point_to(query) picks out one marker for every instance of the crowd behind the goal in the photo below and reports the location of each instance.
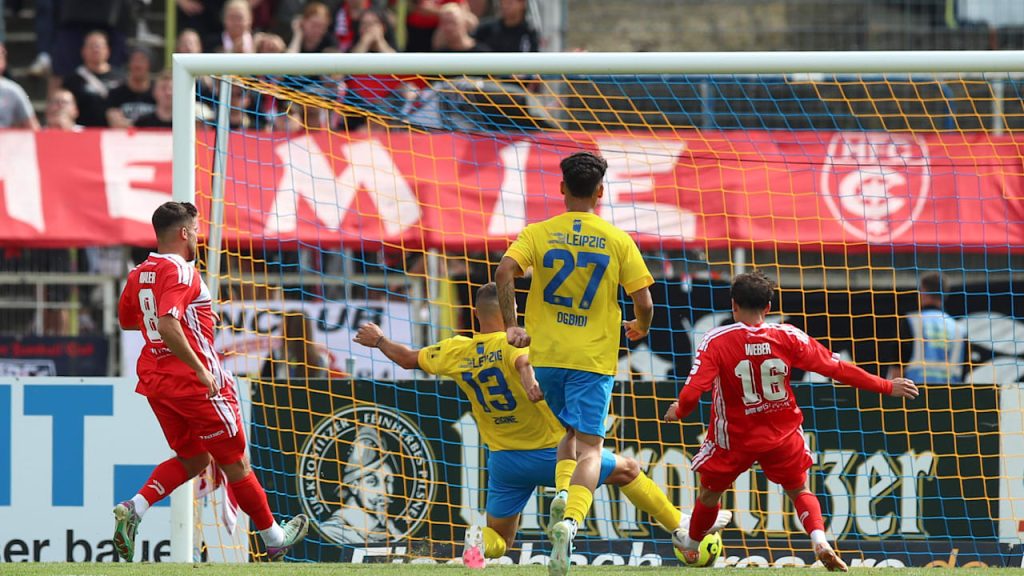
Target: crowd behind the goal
(103, 71)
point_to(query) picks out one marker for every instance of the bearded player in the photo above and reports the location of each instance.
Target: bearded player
(192, 396)
(754, 415)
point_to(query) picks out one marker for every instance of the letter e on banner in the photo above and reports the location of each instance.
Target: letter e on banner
(130, 162)
(19, 178)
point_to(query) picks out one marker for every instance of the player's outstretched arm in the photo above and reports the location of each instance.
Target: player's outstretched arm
(816, 358)
(371, 336)
(643, 308)
(504, 277)
(174, 338)
(528, 379)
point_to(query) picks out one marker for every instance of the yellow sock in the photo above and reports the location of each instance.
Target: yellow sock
(563, 474)
(494, 544)
(643, 492)
(580, 499)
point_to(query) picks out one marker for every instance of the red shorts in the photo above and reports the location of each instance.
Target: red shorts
(785, 465)
(197, 424)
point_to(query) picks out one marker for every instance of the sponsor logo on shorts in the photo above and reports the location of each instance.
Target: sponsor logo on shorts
(211, 436)
(366, 475)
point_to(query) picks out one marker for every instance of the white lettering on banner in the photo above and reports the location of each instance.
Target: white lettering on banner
(130, 161)
(509, 213)
(875, 477)
(309, 174)
(632, 165)
(876, 184)
(835, 464)
(19, 177)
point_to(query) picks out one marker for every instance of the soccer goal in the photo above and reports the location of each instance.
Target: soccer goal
(877, 188)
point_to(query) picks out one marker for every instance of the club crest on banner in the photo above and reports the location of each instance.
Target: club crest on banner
(366, 475)
(876, 184)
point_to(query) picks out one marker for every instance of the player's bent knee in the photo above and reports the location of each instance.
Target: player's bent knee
(195, 464)
(626, 470)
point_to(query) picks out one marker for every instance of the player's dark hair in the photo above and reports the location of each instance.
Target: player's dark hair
(752, 290)
(931, 283)
(582, 173)
(171, 215)
(487, 295)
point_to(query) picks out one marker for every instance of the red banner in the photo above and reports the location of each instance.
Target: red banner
(685, 188)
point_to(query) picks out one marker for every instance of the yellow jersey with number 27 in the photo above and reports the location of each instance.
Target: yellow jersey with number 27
(573, 316)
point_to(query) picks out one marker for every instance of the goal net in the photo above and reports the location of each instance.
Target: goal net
(344, 190)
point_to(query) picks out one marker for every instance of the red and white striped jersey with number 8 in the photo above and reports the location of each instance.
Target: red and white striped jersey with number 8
(165, 284)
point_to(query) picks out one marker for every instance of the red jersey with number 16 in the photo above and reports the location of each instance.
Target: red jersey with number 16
(165, 284)
(747, 368)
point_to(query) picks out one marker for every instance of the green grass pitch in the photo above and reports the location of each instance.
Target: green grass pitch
(301, 569)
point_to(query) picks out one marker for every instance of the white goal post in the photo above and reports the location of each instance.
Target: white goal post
(187, 67)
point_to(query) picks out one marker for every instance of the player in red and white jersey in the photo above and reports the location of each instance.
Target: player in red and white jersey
(754, 415)
(192, 395)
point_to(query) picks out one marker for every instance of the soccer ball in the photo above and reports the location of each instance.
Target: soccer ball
(709, 550)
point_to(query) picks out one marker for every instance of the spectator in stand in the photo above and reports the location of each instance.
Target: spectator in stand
(295, 354)
(15, 108)
(237, 35)
(452, 33)
(133, 99)
(78, 20)
(931, 345)
(345, 22)
(482, 9)
(311, 31)
(160, 117)
(188, 42)
(46, 24)
(203, 16)
(92, 82)
(373, 33)
(510, 31)
(268, 43)
(424, 19)
(62, 111)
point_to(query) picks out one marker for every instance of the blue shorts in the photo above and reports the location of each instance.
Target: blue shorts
(579, 399)
(513, 475)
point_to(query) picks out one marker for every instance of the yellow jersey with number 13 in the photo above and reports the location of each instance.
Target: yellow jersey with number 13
(573, 315)
(484, 367)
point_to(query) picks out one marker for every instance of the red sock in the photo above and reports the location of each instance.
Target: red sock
(701, 520)
(808, 511)
(165, 478)
(253, 501)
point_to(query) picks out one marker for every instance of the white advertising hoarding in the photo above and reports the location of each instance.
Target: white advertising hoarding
(70, 449)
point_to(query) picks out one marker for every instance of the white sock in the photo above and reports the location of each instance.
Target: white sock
(818, 538)
(273, 536)
(141, 505)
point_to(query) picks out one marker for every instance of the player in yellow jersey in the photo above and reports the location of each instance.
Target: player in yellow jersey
(515, 423)
(573, 315)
